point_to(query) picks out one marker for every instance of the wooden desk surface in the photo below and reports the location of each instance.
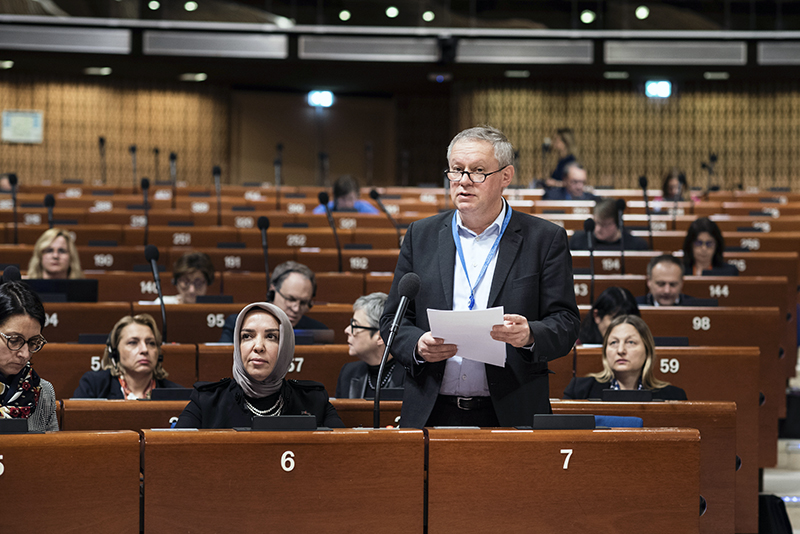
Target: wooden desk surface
(207, 481)
(563, 481)
(133, 415)
(83, 482)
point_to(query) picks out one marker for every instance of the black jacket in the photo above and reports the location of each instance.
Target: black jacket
(578, 241)
(683, 300)
(352, 382)
(587, 387)
(101, 385)
(221, 405)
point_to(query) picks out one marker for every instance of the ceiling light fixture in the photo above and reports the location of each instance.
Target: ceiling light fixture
(588, 16)
(190, 6)
(320, 99)
(392, 12)
(344, 15)
(97, 71)
(616, 75)
(657, 89)
(6, 64)
(193, 77)
(428, 16)
(642, 12)
(717, 75)
(153, 5)
(517, 74)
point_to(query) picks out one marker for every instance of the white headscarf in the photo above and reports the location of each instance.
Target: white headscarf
(254, 388)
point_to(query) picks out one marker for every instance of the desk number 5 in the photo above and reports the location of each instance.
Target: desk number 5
(568, 452)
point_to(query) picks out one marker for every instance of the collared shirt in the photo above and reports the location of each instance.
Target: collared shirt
(467, 378)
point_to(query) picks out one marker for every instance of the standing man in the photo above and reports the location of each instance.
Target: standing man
(483, 255)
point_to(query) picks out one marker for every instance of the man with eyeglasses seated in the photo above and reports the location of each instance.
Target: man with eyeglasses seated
(358, 380)
(291, 288)
(606, 231)
(191, 276)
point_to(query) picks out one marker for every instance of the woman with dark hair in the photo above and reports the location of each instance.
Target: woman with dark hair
(263, 349)
(674, 187)
(23, 394)
(703, 248)
(566, 149)
(611, 303)
(628, 360)
(131, 364)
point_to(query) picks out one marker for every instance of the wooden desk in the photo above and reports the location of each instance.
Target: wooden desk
(119, 414)
(127, 286)
(359, 412)
(338, 288)
(563, 481)
(66, 320)
(88, 480)
(314, 481)
(716, 422)
(352, 260)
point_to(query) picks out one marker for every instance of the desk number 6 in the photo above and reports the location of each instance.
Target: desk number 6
(287, 461)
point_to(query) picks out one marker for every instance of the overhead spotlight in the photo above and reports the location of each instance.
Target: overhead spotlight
(517, 74)
(190, 6)
(658, 89)
(153, 5)
(320, 99)
(440, 77)
(392, 12)
(616, 75)
(428, 16)
(642, 12)
(6, 64)
(193, 77)
(588, 16)
(344, 15)
(97, 71)
(716, 75)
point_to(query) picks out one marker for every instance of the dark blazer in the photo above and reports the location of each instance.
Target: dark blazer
(533, 278)
(587, 387)
(101, 385)
(579, 242)
(560, 193)
(726, 269)
(352, 383)
(305, 323)
(221, 405)
(683, 300)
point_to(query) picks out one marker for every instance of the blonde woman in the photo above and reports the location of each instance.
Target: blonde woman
(55, 257)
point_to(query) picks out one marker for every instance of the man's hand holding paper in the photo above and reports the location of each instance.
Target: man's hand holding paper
(473, 333)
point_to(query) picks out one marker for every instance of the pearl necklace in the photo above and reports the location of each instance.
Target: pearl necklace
(269, 412)
(385, 378)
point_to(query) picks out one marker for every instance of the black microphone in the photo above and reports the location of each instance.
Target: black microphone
(374, 195)
(101, 143)
(49, 203)
(11, 274)
(132, 150)
(588, 228)
(151, 255)
(643, 185)
(679, 196)
(156, 152)
(217, 172)
(620, 213)
(145, 189)
(324, 199)
(278, 176)
(173, 176)
(407, 288)
(12, 180)
(263, 224)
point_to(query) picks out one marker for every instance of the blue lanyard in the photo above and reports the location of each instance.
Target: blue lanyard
(488, 258)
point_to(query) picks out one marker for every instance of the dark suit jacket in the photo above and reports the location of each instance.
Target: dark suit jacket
(560, 193)
(221, 405)
(683, 300)
(533, 278)
(726, 269)
(579, 242)
(305, 323)
(101, 385)
(352, 383)
(587, 387)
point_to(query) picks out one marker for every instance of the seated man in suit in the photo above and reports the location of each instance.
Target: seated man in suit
(606, 231)
(291, 288)
(574, 183)
(357, 380)
(665, 282)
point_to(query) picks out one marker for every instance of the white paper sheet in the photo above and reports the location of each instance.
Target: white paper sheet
(471, 331)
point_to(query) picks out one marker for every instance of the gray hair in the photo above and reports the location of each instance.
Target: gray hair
(503, 149)
(372, 305)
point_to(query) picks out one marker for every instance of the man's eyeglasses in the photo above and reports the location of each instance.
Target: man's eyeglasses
(475, 177)
(354, 326)
(707, 244)
(293, 300)
(16, 342)
(184, 284)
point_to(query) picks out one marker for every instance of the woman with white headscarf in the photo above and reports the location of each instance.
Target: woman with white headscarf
(263, 349)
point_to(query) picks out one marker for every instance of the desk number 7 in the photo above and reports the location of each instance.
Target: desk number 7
(568, 452)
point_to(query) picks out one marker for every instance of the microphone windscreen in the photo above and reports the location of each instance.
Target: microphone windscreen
(11, 274)
(547, 141)
(173, 156)
(102, 141)
(145, 184)
(323, 197)
(588, 225)
(374, 195)
(12, 179)
(409, 286)
(217, 171)
(643, 182)
(620, 205)
(263, 223)
(151, 253)
(132, 149)
(49, 201)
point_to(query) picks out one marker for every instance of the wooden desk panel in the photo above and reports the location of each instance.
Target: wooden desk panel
(360, 412)
(615, 478)
(66, 320)
(235, 259)
(119, 414)
(126, 286)
(88, 480)
(117, 259)
(315, 481)
(83, 233)
(181, 236)
(352, 260)
(337, 288)
(716, 422)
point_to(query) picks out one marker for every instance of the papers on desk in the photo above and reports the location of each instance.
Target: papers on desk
(471, 331)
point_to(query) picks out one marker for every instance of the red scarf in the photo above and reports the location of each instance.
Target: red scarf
(126, 392)
(20, 398)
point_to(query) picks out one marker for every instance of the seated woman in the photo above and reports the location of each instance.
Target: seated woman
(703, 248)
(611, 303)
(131, 364)
(22, 393)
(55, 257)
(357, 380)
(674, 187)
(628, 354)
(191, 276)
(262, 353)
